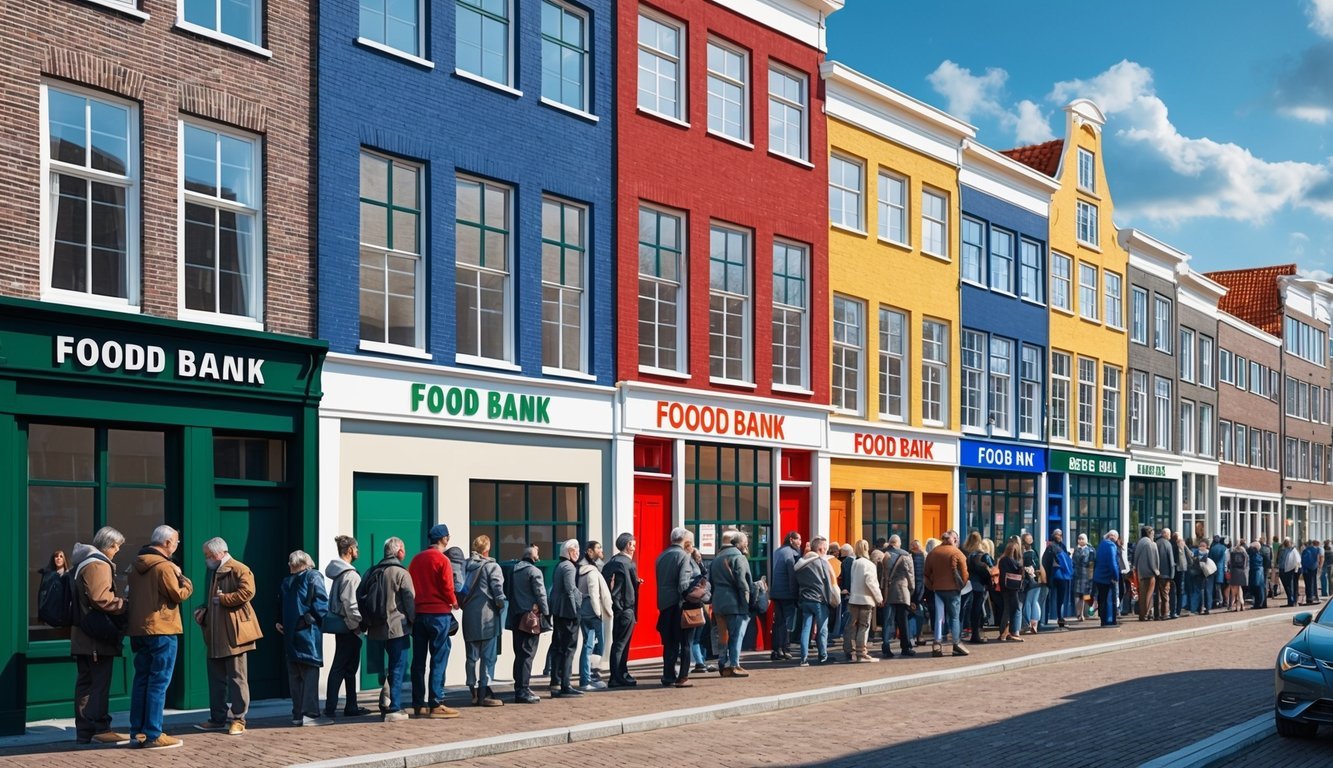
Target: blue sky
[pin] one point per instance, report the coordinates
(1219, 137)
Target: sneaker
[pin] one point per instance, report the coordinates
(109, 738)
(490, 700)
(803, 663)
(358, 712)
(296, 721)
(396, 716)
(527, 697)
(937, 652)
(162, 742)
(699, 668)
(210, 725)
(441, 712)
(593, 686)
(868, 657)
(236, 728)
(316, 721)
(738, 672)
(959, 650)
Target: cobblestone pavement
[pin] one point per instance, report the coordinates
(1199, 685)
(1288, 753)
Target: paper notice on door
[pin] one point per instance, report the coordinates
(707, 540)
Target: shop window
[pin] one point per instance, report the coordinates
(1000, 505)
(729, 488)
(516, 514)
(80, 479)
(885, 513)
(1094, 507)
(652, 456)
(249, 458)
(1151, 502)
(795, 466)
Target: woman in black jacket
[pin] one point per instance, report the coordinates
(979, 563)
(1011, 581)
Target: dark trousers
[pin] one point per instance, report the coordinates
(622, 628)
(785, 613)
(1178, 594)
(1105, 605)
(1258, 589)
(303, 682)
(895, 621)
(976, 613)
(1289, 585)
(525, 647)
(1311, 586)
(1059, 601)
(564, 643)
(92, 694)
(676, 642)
(228, 681)
(343, 671)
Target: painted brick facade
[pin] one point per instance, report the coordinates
(712, 179)
(168, 74)
(450, 124)
(1237, 339)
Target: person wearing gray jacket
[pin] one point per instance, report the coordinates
(1148, 566)
(565, 600)
(783, 596)
(482, 608)
(396, 632)
(529, 591)
(674, 569)
(1166, 575)
(346, 664)
(732, 582)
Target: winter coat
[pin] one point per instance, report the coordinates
(1009, 565)
(944, 565)
(400, 602)
(784, 573)
(594, 596)
(1218, 554)
(814, 579)
(1107, 570)
(673, 569)
(485, 601)
(230, 625)
(897, 578)
(156, 590)
(1146, 563)
(732, 583)
(564, 593)
(622, 579)
(863, 587)
(1166, 559)
(342, 594)
(1083, 557)
(528, 590)
(304, 603)
(94, 590)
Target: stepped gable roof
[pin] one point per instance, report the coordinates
(1253, 296)
(1044, 157)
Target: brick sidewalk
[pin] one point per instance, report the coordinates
(1288, 753)
(275, 742)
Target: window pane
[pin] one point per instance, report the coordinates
(61, 453)
(57, 518)
(135, 457)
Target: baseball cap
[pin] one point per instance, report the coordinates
(437, 532)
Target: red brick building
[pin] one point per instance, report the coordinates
(724, 310)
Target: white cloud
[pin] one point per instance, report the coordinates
(1226, 179)
(1321, 17)
(1309, 114)
(969, 96)
(1314, 274)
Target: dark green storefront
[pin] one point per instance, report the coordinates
(115, 419)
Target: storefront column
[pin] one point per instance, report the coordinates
(13, 482)
(677, 485)
(819, 495)
(622, 484)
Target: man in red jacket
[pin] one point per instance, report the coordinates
(433, 581)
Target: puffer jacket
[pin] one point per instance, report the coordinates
(342, 594)
(814, 580)
(304, 603)
(95, 590)
(863, 587)
(156, 590)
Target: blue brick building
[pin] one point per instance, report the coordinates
(465, 259)
(1003, 344)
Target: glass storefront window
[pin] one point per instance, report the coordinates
(249, 458)
(515, 514)
(1094, 507)
(885, 513)
(729, 488)
(1000, 505)
(1151, 502)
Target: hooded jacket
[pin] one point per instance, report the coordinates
(342, 595)
(485, 601)
(230, 625)
(95, 590)
(400, 601)
(304, 603)
(595, 597)
(729, 573)
(156, 590)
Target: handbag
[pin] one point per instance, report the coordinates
(759, 597)
(531, 622)
(334, 624)
(1013, 581)
(1207, 566)
(692, 618)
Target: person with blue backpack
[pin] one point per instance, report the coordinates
(1059, 567)
(1312, 561)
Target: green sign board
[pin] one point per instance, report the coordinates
(492, 405)
(1086, 464)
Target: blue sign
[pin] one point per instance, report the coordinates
(1003, 456)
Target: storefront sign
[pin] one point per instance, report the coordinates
(865, 442)
(113, 356)
(1087, 464)
(660, 410)
(712, 420)
(466, 401)
(1002, 456)
(1146, 469)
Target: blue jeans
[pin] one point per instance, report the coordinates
(394, 672)
(814, 614)
(730, 655)
(947, 605)
(481, 653)
(1032, 605)
(430, 633)
(592, 644)
(154, 661)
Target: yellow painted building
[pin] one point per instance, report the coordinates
(893, 248)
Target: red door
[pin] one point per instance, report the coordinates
(652, 500)
(793, 515)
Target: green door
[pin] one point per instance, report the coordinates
(385, 506)
(257, 524)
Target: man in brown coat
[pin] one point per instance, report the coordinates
(230, 631)
(157, 589)
(945, 574)
(95, 590)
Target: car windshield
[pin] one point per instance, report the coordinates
(1325, 616)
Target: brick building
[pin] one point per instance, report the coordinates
(155, 286)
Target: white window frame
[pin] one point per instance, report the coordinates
(1086, 229)
(779, 306)
(723, 79)
(889, 211)
(934, 372)
(679, 59)
(507, 360)
(973, 349)
(843, 192)
(253, 320)
(132, 183)
(1111, 383)
(1187, 354)
(1114, 299)
(418, 55)
(510, 48)
(973, 255)
(216, 33)
(581, 290)
(901, 354)
(1000, 386)
(1207, 349)
(1207, 444)
(999, 258)
(803, 107)
(1034, 288)
(1163, 413)
(1029, 392)
(726, 294)
(1226, 360)
(1226, 447)
(1187, 430)
(1161, 324)
(1087, 171)
(848, 356)
(586, 47)
(681, 284)
(1138, 315)
(1087, 400)
(1138, 408)
(929, 222)
(1062, 282)
(419, 297)
(1061, 383)
(1088, 295)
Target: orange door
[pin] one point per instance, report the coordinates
(934, 515)
(651, 528)
(840, 517)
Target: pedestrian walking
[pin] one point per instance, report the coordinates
(231, 630)
(343, 621)
(157, 587)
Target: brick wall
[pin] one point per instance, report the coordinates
(169, 73)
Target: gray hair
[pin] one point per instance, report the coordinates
(728, 538)
(739, 539)
(895, 541)
(162, 534)
(680, 535)
(392, 545)
(299, 557)
(215, 546)
(107, 537)
(570, 544)
(1113, 533)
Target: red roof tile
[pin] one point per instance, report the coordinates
(1252, 295)
(1044, 158)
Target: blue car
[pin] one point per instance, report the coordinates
(1304, 682)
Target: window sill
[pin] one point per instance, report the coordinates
(848, 412)
(128, 10)
(973, 283)
(730, 139)
(1005, 293)
(214, 318)
(91, 301)
(1033, 302)
(676, 121)
(1089, 193)
(567, 374)
(590, 117)
(234, 42)
(937, 257)
(501, 87)
(1116, 328)
(1090, 320)
(733, 383)
(889, 418)
(394, 52)
(790, 390)
(664, 372)
(936, 424)
(796, 160)
(1062, 310)
(895, 244)
(486, 362)
(397, 350)
(848, 230)
(1089, 246)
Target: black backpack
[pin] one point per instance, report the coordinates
(55, 599)
(1239, 560)
(372, 595)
